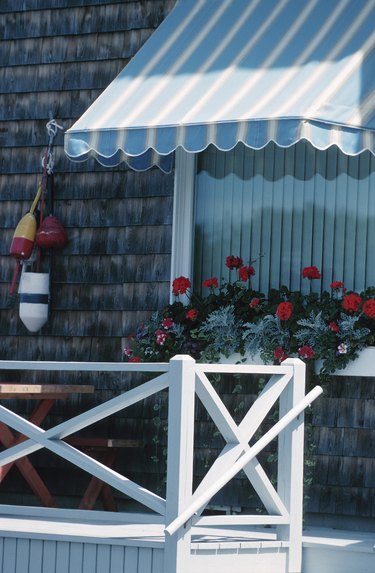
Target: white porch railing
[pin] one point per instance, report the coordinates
(181, 510)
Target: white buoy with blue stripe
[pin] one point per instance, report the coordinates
(34, 299)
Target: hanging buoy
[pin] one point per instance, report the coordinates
(24, 237)
(51, 234)
(34, 299)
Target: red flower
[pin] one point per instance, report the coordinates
(233, 262)
(211, 283)
(284, 310)
(311, 273)
(254, 302)
(192, 314)
(134, 359)
(306, 352)
(336, 285)
(279, 353)
(167, 323)
(334, 326)
(368, 308)
(352, 302)
(245, 273)
(180, 285)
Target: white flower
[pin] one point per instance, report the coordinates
(342, 348)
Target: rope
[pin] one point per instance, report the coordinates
(48, 160)
(47, 164)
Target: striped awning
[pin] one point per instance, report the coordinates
(224, 71)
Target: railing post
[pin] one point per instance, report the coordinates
(290, 466)
(179, 460)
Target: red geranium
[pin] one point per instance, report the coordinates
(284, 310)
(334, 326)
(245, 273)
(254, 302)
(233, 262)
(279, 353)
(306, 352)
(134, 359)
(368, 308)
(336, 285)
(211, 283)
(180, 285)
(311, 273)
(192, 314)
(352, 302)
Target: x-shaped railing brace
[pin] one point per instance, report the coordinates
(52, 440)
(199, 501)
(239, 436)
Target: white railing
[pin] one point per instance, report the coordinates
(182, 508)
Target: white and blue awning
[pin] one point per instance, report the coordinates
(227, 71)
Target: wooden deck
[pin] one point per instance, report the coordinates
(45, 540)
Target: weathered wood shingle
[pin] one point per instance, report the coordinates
(55, 59)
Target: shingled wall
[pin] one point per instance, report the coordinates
(55, 59)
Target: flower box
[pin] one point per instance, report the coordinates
(364, 365)
(232, 317)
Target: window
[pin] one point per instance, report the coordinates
(284, 209)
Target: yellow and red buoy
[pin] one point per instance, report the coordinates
(23, 240)
(24, 236)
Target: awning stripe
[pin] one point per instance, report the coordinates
(223, 71)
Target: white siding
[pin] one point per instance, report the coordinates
(286, 209)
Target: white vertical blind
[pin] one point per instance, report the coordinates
(286, 209)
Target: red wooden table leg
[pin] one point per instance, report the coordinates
(24, 465)
(96, 486)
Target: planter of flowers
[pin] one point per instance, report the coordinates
(331, 329)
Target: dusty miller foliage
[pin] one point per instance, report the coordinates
(262, 337)
(350, 332)
(222, 331)
(313, 331)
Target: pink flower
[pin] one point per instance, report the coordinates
(161, 337)
(167, 323)
(306, 352)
